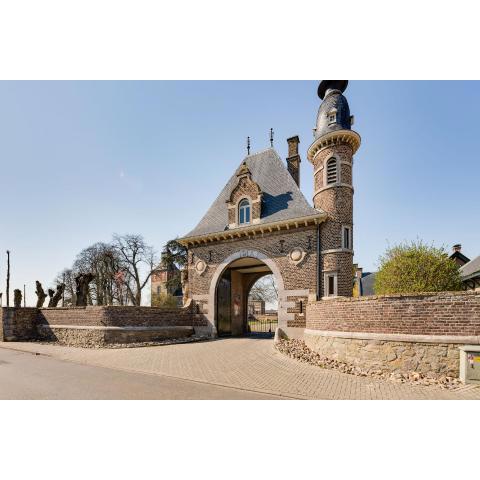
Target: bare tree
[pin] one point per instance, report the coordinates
(137, 260)
(103, 261)
(67, 277)
(265, 289)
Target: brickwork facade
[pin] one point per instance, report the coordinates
(445, 314)
(298, 281)
(246, 188)
(337, 200)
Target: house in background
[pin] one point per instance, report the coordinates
(256, 307)
(161, 283)
(363, 282)
(458, 256)
(469, 269)
(470, 273)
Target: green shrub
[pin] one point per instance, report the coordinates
(416, 267)
(164, 300)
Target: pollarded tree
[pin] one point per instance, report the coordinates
(416, 267)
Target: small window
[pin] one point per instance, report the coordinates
(244, 212)
(331, 284)
(159, 290)
(332, 171)
(346, 237)
(332, 117)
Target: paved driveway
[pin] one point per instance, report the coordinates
(247, 364)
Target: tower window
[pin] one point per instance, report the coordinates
(244, 212)
(346, 237)
(331, 284)
(332, 116)
(332, 171)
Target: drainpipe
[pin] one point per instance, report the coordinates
(319, 265)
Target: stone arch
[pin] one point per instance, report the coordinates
(224, 265)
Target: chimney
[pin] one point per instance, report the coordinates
(293, 159)
(359, 272)
(457, 248)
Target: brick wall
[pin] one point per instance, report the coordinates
(298, 311)
(18, 324)
(21, 323)
(116, 316)
(446, 313)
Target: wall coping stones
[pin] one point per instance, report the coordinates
(395, 337)
(126, 328)
(419, 295)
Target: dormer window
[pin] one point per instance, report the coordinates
(244, 212)
(332, 116)
(332, 171)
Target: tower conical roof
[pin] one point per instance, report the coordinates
(334, 104)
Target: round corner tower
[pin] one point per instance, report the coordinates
(331, 154)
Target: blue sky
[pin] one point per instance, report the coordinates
(83, 160)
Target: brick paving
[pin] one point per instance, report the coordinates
(245, 363)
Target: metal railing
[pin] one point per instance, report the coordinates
(264, 325)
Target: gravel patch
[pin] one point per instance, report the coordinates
(297, 350)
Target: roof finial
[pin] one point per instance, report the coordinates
(271, 137)
(248, 145)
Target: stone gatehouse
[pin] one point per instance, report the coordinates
(261, 223)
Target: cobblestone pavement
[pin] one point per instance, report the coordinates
(245, 363)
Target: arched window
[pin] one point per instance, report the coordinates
(332, 171)
(244, 212)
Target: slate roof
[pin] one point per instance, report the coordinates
(282, 199)
(368, 284)
(471, 268)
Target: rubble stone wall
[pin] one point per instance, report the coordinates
(432, 359)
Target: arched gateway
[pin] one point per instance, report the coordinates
(230, 285)
(261, 221)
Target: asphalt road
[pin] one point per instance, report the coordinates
(25, 376)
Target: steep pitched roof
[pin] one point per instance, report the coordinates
(471, 268)
(282, 199)
(368, 284)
